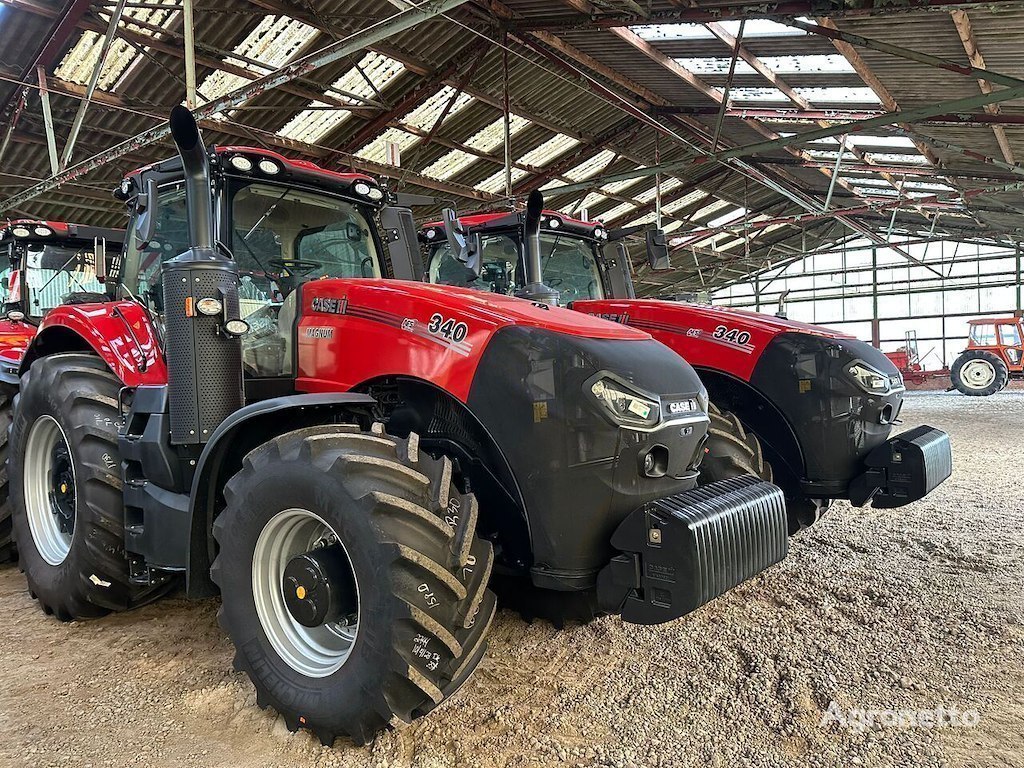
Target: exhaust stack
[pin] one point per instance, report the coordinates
(535, 289)
(204, 362)
(196, 166)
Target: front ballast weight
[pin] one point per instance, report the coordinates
(682, 551)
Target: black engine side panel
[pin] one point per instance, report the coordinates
(837, 423)
(578, 473)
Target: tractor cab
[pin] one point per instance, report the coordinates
(50, 263)
(994, 356)
(573, 260)
(284, 222)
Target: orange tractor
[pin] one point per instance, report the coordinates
(994, 355)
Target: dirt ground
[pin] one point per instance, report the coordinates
(908, 610)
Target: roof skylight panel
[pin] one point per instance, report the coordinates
(836, 94)
(728, 218)
(539, 156)
(424, 117)
(311, 125)
(666, 186)
(712, 207)
(897, 157)
(487, 139)
(756, 94)
(495, 183)
(78, 64)
(272, 43)
(617, 211)
(688, 199)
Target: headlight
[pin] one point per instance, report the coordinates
(42, 231)
(236, 328)
(867, 378)
(21, 232)
(268, 167)
(241, 163)
(624, 406)
(361, 188)
(375, 194)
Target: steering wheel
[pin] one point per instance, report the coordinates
(295, 267)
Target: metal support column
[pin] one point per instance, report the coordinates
(190, 54)
(876, 325)
(51, 141)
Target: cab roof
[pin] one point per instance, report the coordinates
(289, 168)
(58, 230)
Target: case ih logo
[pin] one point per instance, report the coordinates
(682, 406)
(328, 305)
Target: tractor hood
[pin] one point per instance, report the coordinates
(681, 310)
(490, 307)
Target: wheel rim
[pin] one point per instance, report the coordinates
(312, 651)
(978, 374)
(50, 498)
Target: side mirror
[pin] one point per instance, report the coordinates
(145, 214)
(99, 259)
(403, 248)
(620, 282)
(657, 250)
(458, 242)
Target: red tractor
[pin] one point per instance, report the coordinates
(994, 355)
(808, 407)
(47, 263)
(346, 459)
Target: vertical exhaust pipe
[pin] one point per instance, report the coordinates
(196, 166)
(204, 363)
(535, 289)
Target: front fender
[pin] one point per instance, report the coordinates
(240, 433)
(120, 333)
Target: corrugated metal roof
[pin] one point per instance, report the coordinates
(577, 92)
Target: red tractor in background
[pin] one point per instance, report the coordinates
(46, 263)
(994, 356)
(346, 458)
(808, 407)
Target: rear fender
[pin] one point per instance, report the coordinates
(222, 457)
(120, 333)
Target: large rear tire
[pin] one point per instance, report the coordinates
(731, 451)
(8, 551)
(353, 584)
(64, 472)
(979, 373)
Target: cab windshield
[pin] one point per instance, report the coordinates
(569, 266)
(50, 275)
(278, 236)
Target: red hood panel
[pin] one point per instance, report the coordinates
(719, 338)
(357, 331)
(495, 308)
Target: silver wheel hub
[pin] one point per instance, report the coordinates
(978, 374)
(50, 490)
(298, 568)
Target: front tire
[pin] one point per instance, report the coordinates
(353, 585)
(8, 551)
(979, 373)
(731, 451)
(67, 509)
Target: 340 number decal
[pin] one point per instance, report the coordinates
(732, 335)
(447, 328)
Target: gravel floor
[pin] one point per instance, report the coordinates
(909, 610)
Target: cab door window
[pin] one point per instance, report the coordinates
(1009, 336)
(145, 260)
